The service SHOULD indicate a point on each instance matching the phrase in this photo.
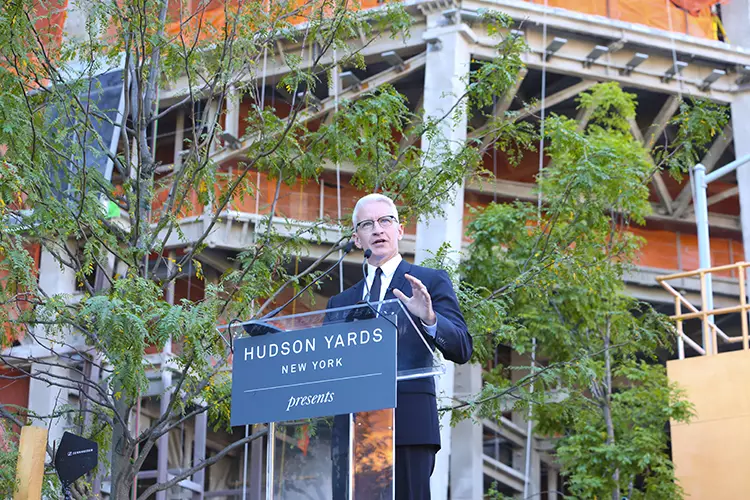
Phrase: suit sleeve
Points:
(452, 337)
(329, 316)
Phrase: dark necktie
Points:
(375, 289)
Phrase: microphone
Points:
(346, 249)
(368, 253)
(359, 313)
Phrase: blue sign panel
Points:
(330, 370)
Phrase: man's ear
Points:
(400, 231)
(357, 242)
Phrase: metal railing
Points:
(710, 331)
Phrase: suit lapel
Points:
(399, 281)
(357, 290)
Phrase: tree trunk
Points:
(122, 471)
(607, 408)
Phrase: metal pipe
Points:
(529, 426)
(701, 222)
(700, 204)
(270, 459)
(244, 465)
(729, 167)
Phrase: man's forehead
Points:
(377, 206)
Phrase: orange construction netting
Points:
(692, 17)
(655, 13)
(695, 7)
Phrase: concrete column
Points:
(736, 18)
(466, 471)
(447, 66)
(520, 418)
(74, 27)
(199, 452)
(46, 399)
(162, 460)
(552, 484)
(232, 116)
(54, 278)
(179, 138)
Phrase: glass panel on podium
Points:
(349, 456)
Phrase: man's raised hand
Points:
(420, 303)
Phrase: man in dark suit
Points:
(429, 297)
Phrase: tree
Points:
(114, 216)
(554, 274)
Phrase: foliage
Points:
(555, 275)
(123, 241)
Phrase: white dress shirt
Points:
(389, 269)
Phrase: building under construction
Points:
(660, 50)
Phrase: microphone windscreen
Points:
(368, 253)
(348, 247)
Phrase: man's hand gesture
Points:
(420, 303)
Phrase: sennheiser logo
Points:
(80, 452)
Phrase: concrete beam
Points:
(503, 104)
(582, 117)
(660, 122)
(549, 101)
(326, 106)
(525, 191)
(719, 197)
(571, 60)
(276, 66)
(657, 180)
(503, 474)
(602, 28)
(683, 200)
(407, 138)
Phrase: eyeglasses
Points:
(385, 222)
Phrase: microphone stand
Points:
(346, 248)
(255, 329)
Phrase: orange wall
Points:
(13, 391)
(51, 15)
(9, 333)
(663, 249)
(679, 251)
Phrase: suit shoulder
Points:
(342, 298)
(427, 272)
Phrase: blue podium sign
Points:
(334, 369)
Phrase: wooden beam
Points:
(32, 449)
(683, 200)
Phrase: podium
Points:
(325, 384)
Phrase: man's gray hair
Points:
(370, 198)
